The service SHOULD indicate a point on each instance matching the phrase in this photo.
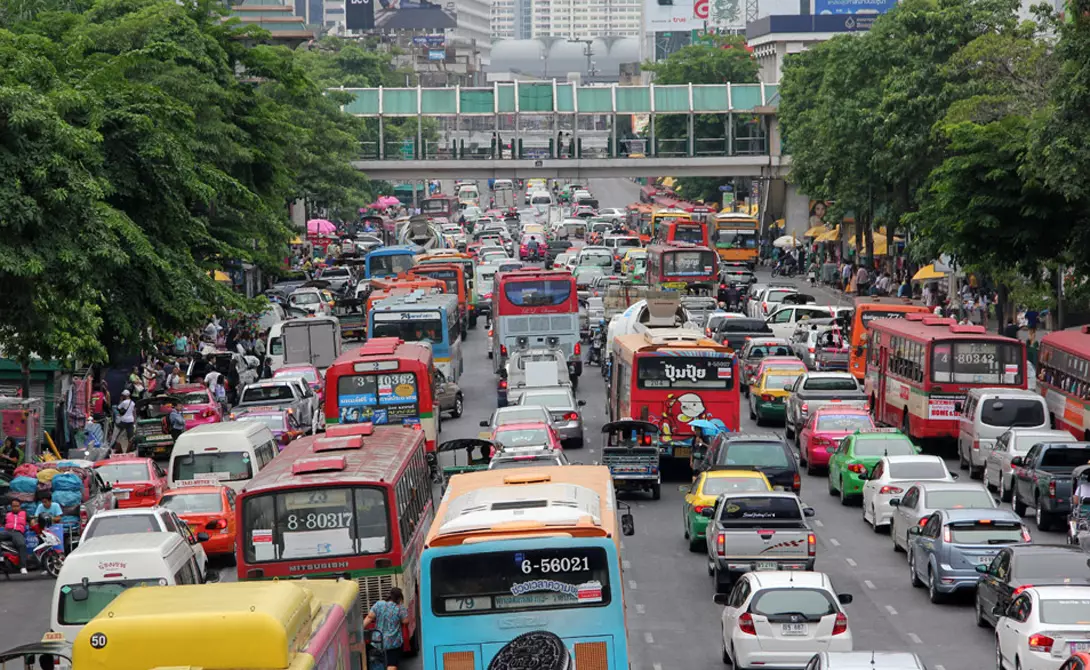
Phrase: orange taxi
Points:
(207, 507)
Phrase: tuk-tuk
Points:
(52, 653)
(1078, 521)
(152, 436)
(473, 463)
(630, 451)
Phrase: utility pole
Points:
(588, 51)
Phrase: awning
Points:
(927, 272)
(668, 182)
(221, 276)
(878, 238)
(816, 231)
(829, 235)
(296, 241)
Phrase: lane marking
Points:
(658, 666)
(939, 667)
(640, 609)
(648, 638)
(819, 523)
(869, 584)
(892, 612)
(632, 584)
(626, 565)
(914, 637)
(833, 541)
(851, 562)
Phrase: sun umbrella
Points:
(388, 201)
(927, 272)
(320, 226)
(816, 231)
(830, 235)
(787, 241)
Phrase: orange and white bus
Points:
(920, 368)
(1063, 377)
(736, 237)
(870, 309)
(513, 551)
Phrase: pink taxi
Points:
(198, 405)
(824, 430)
(309, 373)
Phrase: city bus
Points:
(312, 625)
(672, 377)
(469, 267)
(536, 308)
(736, 237)
(453, 275)
(516, 551)
(390, 261)
(682, 267)
(401, 285)
(920, 368)
(661, 217)
(432, 318)
(355, 502)
(867, 310)
(386, 381)
(441, 206)
(1063, 377)
(680, 230)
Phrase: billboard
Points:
(673, 15)
(359, 14)
(853, 6)
(415, 15)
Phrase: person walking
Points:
(176, 421)
(862, 280)
(388, 616)
(126, 418)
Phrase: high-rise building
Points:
(474, 25)
(532, 19)
(510, 19)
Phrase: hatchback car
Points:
(945, 552)
(889, 478)
(922, 499)
(1042, 626)
(136, 482)
(563, 410)
(209, 511)
(866, 660)
(825, 429)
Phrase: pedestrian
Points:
(181, 344)
(1011, 329)
(219, 391)
(176, 421)
(846, 276)
(126, 418)
(136, 382)
(11, 456)
(862, 280)
(15, 525)
(173, 379)
(388, 616)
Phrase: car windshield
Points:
(305, 298)
(844, 422)
(1013, 412)
(917, 470)
(524, 437)
(72, 612)
(193, 503)
(831, 384)
(714, 486)
(985, 532)
(548, 400)
(220, 465)
(124, 472)
(306, 373)
(271, 393)
(757, 454)
(520, 415)
(810, 603)
(965, 499)
(1069, 612)
(884, 446)
(121, 525)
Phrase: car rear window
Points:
(744, 326)
(970, 499)
(831, 384)
(777, 296)
(1074, 611)
(760, 508)
(886, 446)
(1051, 565)
(123, 525)
(812, 604)
(985, 532)
(917, 470)
(754, 454)
(1016, 413)
(771, 350)
(715, 486)
(844, 422)
(1065, 457)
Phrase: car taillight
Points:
(805, 408)
(503, 383)
(841, 624)
(1040, 642)
(722, 286)
(1026, 537)
(721, 544)
(208, 413)
(976, 445)
(745, 624)
(699, 509)
(1020, 589)
(1052, 489)
(796, 483)
(578, 348)
(216, 524)
(946, 536)
(707, 332)
(764, 308)
(767, 397)
(490, 332)
(503, 350)
(571, 416)
(811, 544)
(887, 490)
(922, 522)
(857, 468)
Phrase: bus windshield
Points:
(977, 363)
(512, 581)
(686, 263)
(416, 330)
(659, 372)
(377, 398)
(689, 232)
(391, 264)
(315, 523)
(538, 293)
(736, 239)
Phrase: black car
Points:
(1025, 565)
(767, 453)
(554, 249)
(735, 332)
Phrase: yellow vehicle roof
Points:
(735, 474)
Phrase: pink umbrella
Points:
(320, 226)
(388, 201)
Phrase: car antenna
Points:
(872, 657)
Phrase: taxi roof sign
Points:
(182, 483)
(53, 637)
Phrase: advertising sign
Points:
(359, 15)
(415, 15)
(437, 54)
(672, 15)
(853, 6)
(434, 41)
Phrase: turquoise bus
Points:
(390, 261)
(420, 316)
(519, 551)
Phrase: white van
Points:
(230, 453)
(313, 341)
(102, 567)
(990, 412)
(469, 193)
(541, 201)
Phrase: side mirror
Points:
(628, 524)
(202, 537)
(787, 387)
(845, 598)
(1017, 461)
(982, 569)
(581, 403)
(212, 577)
(919, 450)
(683, 488)
(954, 476)
(915, 530)
(707, 512)
(895, 502)
(484, 424)
(721, 598)
(809, 511)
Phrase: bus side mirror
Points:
(628, 524)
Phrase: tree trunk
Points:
(1002, 306)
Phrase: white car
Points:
(998, 473)
(614, 214)
(141, 520)
(889, 479)
(782, 619)
(310, 300)
(1042, 626)
(784, 318)
(767, 301)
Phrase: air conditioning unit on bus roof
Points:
(668, 335)
(547, 504)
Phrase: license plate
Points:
(765, 565)
(795, 629)
(190, 415)
(682, 452)
(982, 560)
(1080, 646)
(121, 495)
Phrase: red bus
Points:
(682, 267)
(536, 308)
(672, 381)
(919, 369)
(355, 502)
(680, 230)
(387, 381)
(1063, 377)
(445, 206)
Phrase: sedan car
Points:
(155, 519)
(857, 454)
(209, 511)
(282, 422)
(866, 660)
(506, 461)
(198, 405)
(1021, 566)
(889, 478)
(136, 482)
(922, 499)
(1042, 626)
(703, 492)
(523, 438)
(507, 415)
(998, 471)
(563, 409)
(449, 395)
(781, 619)
(824, 430)
(768, 397)
(755, 351)
(944, 554)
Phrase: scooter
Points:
(597, 342)
(44, 552)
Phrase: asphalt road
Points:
(672, 621)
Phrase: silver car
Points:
(291, 392)
(502, 461)
(998, 473)
(507, 415)
(564, 409)
(923, 498)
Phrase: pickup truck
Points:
(1043, 479)
(817, 389)
(757, 531)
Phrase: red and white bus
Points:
(682, 267)
(682, 230)
(442, 206)
(536, 308)
(387, 381)
(1063, 377)
(919, 369)
(355, 502)
(671, 381)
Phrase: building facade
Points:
(567, 19)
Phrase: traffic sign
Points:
(700, 9)
(726, 188)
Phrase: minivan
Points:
(986, 414)
(230, 453)
(102, 567)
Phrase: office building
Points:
(534, 19)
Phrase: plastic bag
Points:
(27, 470)
(24, 485)
(67, 481)
(47, 475)
(68, 499)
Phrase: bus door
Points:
(880, 401)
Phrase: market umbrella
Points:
(816, 231)
(787, 241)
(927, 272)
(388, 201)
(320, 226)
(830, 235)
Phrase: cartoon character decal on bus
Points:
(678, 412)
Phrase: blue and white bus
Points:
(390, 261)
(419, 316)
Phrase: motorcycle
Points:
(597, 343)
(784, 269)
(45, 551)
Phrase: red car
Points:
(198, 405)
(206, 508)
(136, 481)
(824, 430)
(308, 372)
(525, 437)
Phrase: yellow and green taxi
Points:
(858, 453)
(706, 488)
(634, 262)
(768, 396)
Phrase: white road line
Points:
(656, 666)
(851, 562)
(833, 541)
(648, 638)
(892, 612)
(939, 667)
(914, 637)
(640, 609)
(626, 565)
(632, 584)
(819, 523)
(869, 584)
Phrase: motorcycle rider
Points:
(15, 525)
(733, 297)
(48, 509)
(533, 248)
